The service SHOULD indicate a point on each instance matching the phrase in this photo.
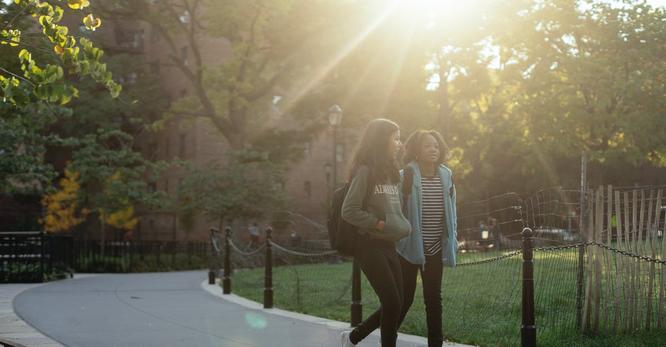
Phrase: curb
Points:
(216, 290)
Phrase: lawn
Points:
(481, 301)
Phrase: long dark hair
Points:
(372, 151)
(413, 146)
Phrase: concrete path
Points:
(168, 309)
(14, 329)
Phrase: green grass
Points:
(481, 302)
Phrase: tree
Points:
(47, 82)
(272, 44)
(62, 206)
(115, 178)
(591, 83)
(247, 188)
(36, 71)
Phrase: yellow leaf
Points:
(78, 4)
(91, 22)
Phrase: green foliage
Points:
(247, 187)
(112, 173)
(47, 82)
(519, 89)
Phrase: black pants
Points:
(381, 265)
(431, 277)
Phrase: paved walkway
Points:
(168, 309)
(12, 328)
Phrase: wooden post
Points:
(356, 305)
(579, 286)
(528, 328)
(589, 293)
(660, 315)
(636, 268)
(650, 237)
(268, 278)
(618, 262)
(626, 269)
(598, 225)
(607, 260)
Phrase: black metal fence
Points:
(140, 256)
(34, 256)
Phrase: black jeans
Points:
(431, 277)
(381, 265)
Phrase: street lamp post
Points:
(329, 187)
(334, 119)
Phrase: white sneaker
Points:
(344, 339)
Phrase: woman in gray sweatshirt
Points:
(373, 205)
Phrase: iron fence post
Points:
(268, 279)
(226, 282)
(41, 257)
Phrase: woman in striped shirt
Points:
(430, 205)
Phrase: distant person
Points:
(430, 205)
(495, 231)
(380, 223)
(253, 230)
(294, 238)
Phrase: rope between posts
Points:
(247, 254)
(288, 251)
(609, 248)
(629, 254)
(558, 248)
(491, 260)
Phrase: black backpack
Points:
(342, 235)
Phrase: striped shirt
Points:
(432, 214)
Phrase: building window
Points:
(131, 39)
(152, 187)
(340, 152)
(151, 224)
(167, 148)
(154, 34)
(307, 186)
(155, 67)
(307, 148)
(166, 185)
(181, 146)
(131, 78)
(185, 17)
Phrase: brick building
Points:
(307, 184)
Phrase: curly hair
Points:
(413, 146)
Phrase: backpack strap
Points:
(407, 183)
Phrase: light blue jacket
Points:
(411, 247)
